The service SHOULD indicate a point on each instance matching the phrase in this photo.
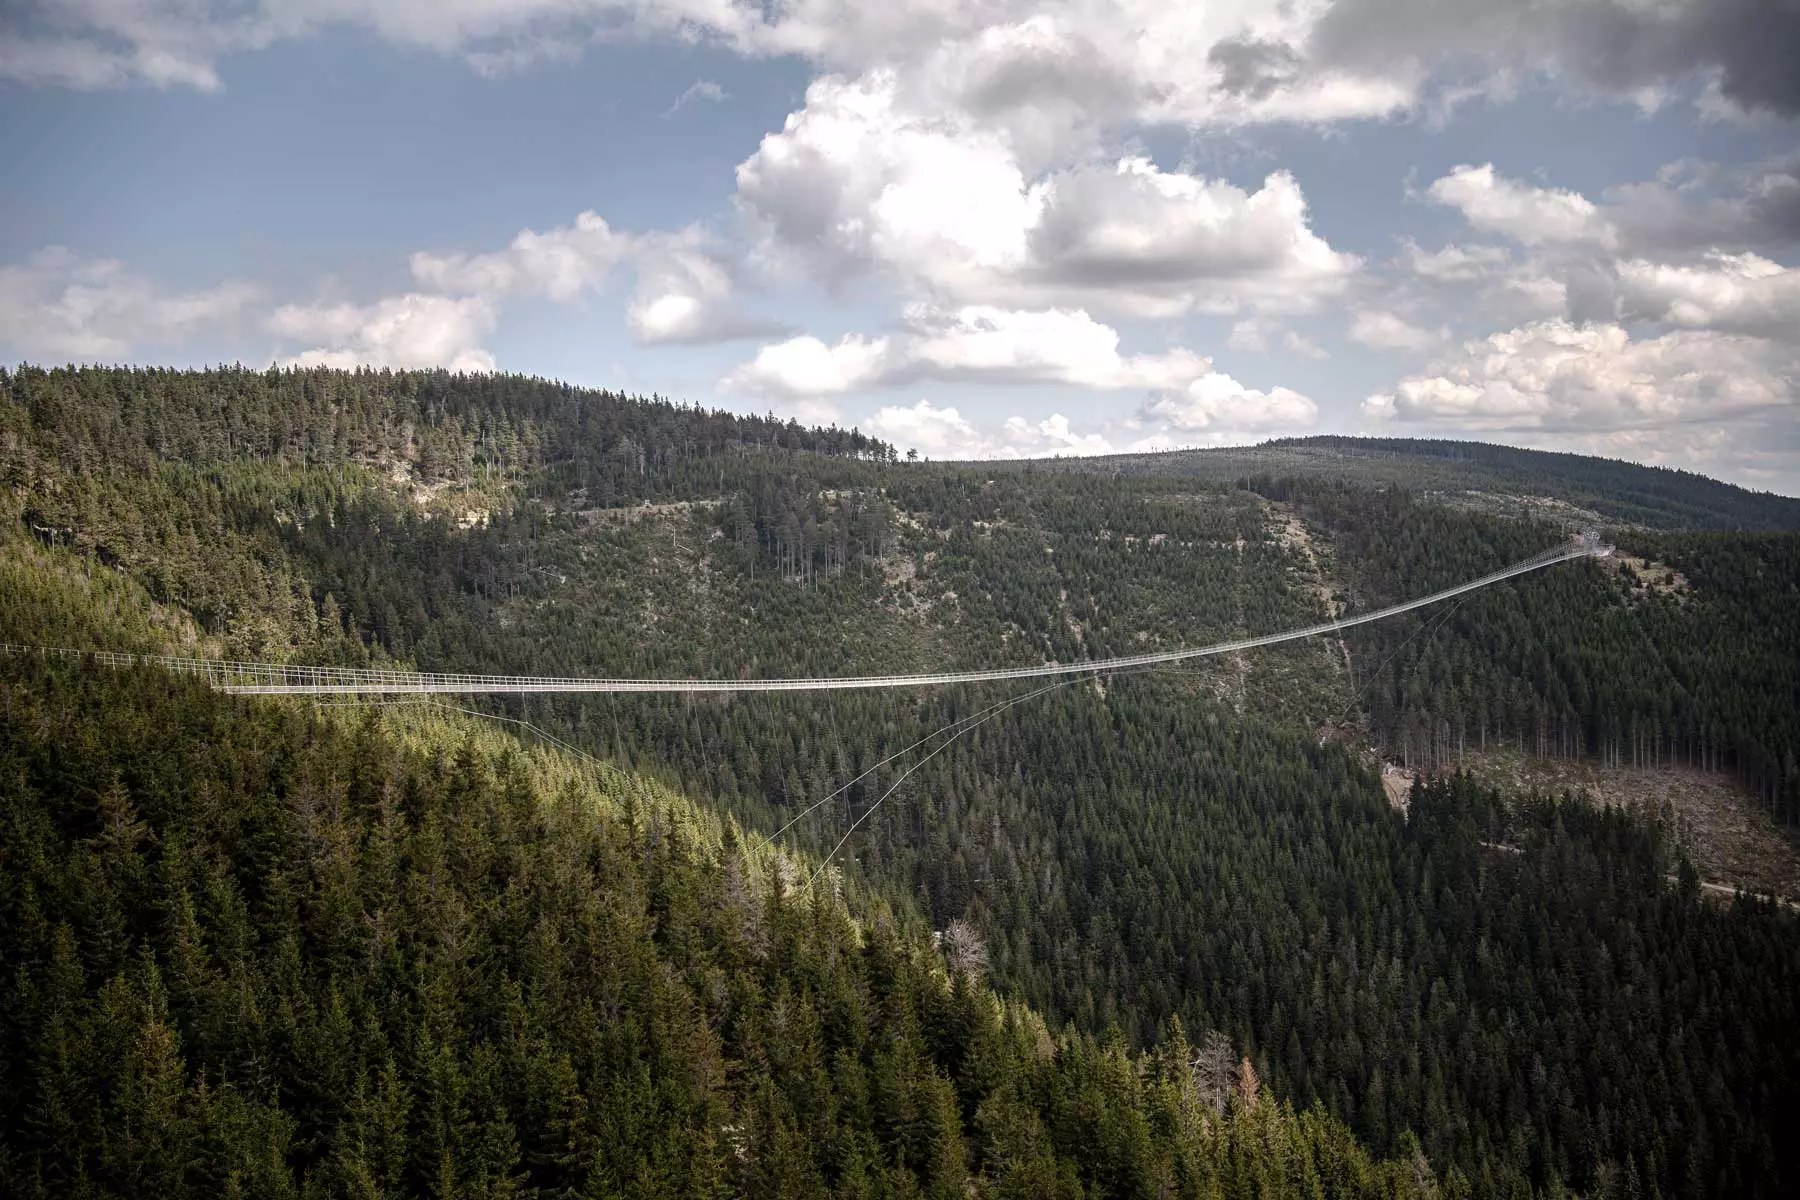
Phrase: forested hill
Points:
(251, 952)
(448, 429)
(1511, 980)
(1470, 473)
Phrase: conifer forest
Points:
(1299, 921)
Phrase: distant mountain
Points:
(1617, 492)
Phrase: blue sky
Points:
(1015, 228)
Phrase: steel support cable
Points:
(977, 716)
(968, 727)
(968, 724)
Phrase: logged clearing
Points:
(1396, 783)
(1727, 833)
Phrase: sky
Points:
(977, 228)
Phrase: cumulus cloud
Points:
(1691, 207)
(1698, 206)
(1749, 46)
(1452, 263)
(101, 44)
(1050, 346)
(560, 264)
(687, 287)
(1213, 409)
(1297, 343)
(972, 155)
(1383, 330)
(1536, 294)
(856, 181)
(1216, 402)
(806, 366)
(1735, 293)
(945, 433)
(1680, 250)
(1255, 334)
(1557, 376)
(1531, 215)
(1019, 62)
(852, 183)
(1722, 403)
(61, 305)
(412, 330)
(688, 293)
(1015, 61)
(1180, 242)
(972, 343)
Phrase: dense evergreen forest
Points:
(252, 952)
(1707, 672)
(1205, 847)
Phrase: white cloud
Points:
(1297, 343)
(57, 304)
(1556, 376)
(1190, 401)
(1008, 60)
(1253, 333)
(973, 343)
(857, 181)
(1014, 61)
(1538, 295)
(1384, 331)
(71, 62)
(1531, 215)
(1171, 242)
(934, 432)
(686, 286)
(1249, 334)
(946, 433)
(806, 366)
(852, 182)
(413, 330)
(1736, 293)
(560, 264)
(1691, 207)
(1049, 346)
(1626, 49)
(1453, 263)
(1216, 402)
(687, 293)
(1213, 410)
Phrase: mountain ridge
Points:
(1619, 490)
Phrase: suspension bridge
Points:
(279, 679)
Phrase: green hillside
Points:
(1208, 845)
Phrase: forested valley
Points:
(276, 947)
